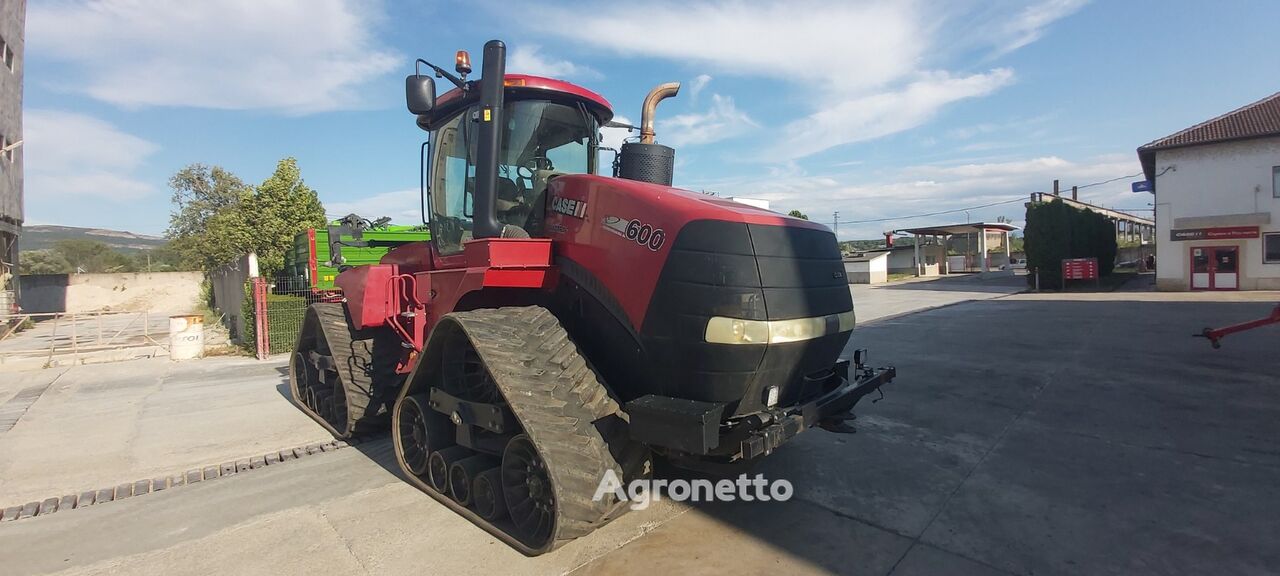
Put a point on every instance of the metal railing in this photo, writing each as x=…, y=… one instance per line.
x=60, y=333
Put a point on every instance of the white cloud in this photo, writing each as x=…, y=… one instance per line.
x=402, y=206
x=851, y=45
x=867, y=67
x=529, y=59
x=933, y=188
x=70, y=155
x=1030, y=24
x=696, y=86
x=294, y=56
x=881, y=114
x=722, y=120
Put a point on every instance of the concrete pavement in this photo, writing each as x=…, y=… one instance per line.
x=879, y=301
x=1035, y=434
x=98, y=426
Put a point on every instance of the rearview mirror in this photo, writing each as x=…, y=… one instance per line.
x=420, y=93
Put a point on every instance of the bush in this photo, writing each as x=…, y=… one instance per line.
x=1056, y=231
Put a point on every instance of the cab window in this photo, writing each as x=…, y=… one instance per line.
x=453, y=159
x=539, y=140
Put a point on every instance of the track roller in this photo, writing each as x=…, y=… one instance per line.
x=486, y=494
x=463, y=472
x=439, y=463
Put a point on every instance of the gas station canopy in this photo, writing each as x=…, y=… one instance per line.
x=955, y=229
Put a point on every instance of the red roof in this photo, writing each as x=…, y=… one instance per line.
x=1256, y=120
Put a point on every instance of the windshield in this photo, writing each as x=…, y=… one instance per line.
x=540, y=140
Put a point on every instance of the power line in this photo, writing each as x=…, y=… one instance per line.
x=1021, y=198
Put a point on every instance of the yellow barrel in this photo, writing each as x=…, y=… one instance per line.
x=186, y=337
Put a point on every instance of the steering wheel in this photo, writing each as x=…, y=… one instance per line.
x=538, y=163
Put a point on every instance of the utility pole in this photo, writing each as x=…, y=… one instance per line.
x=1073, y=194
x=835, y=227
x=1055, y=186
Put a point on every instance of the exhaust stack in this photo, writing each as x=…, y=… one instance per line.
x=659, y=93
x=645, y=161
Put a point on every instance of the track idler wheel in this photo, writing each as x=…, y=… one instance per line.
x=486, y=494
x=526, y=486
x=415, y=440
x=463, y=472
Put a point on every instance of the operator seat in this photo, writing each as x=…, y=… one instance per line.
x=512, y=211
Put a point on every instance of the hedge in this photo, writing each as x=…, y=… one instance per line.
x=1056, y=231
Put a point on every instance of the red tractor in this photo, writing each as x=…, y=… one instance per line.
x=560, y=324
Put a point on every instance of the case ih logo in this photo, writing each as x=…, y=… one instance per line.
x=636, y=231
x=569, y=206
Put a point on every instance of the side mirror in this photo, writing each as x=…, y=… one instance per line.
x=420, y=93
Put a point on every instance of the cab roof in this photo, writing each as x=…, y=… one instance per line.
x=521, y=87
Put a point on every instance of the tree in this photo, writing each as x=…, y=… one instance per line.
x=1056, y=231
x=797, y=214
x=200, y=193
x=217, y=218
x=43, y=262
x=282, y=207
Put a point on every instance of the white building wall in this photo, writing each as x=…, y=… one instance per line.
x=1231, y=184
x=871, y=271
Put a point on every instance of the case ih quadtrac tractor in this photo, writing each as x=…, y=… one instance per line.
x=561, y=324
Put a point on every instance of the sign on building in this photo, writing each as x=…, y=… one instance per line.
x=1225, y=233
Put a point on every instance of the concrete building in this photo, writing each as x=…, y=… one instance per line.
x=1217, y=198
x=13, y=16
x=867, y=268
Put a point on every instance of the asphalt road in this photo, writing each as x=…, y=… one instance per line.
x=1025, y=435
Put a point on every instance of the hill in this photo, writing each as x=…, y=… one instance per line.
x=41, y=237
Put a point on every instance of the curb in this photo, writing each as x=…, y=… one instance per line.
x=89, y=498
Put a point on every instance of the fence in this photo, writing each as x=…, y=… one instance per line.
x=227, y=289
x=274, y=312
x=69, y=335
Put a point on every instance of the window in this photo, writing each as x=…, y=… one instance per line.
x=1271, y=248
x=6, y=52
x=539, y=139
x=454, y=182
x=1275, y=181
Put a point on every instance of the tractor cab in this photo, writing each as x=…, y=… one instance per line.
x=539, y=129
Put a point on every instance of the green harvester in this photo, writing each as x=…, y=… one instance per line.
x=320, y=253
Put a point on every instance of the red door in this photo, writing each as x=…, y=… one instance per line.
x=1215, y=268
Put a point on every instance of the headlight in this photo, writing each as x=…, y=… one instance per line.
x=721, y=330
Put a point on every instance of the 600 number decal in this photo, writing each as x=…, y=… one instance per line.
x=636, y=231
x=645, y=235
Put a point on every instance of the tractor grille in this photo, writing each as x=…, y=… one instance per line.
x=751, y=272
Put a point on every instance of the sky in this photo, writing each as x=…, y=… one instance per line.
x=875, y=110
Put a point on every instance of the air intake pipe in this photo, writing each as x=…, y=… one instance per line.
x=646, y=161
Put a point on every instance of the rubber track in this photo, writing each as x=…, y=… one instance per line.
x=557, y=398
x=352, y=352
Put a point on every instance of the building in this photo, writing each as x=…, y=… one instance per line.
x=990, y=256
x=13, y=14
x=867, y=268
x=1217, y=199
